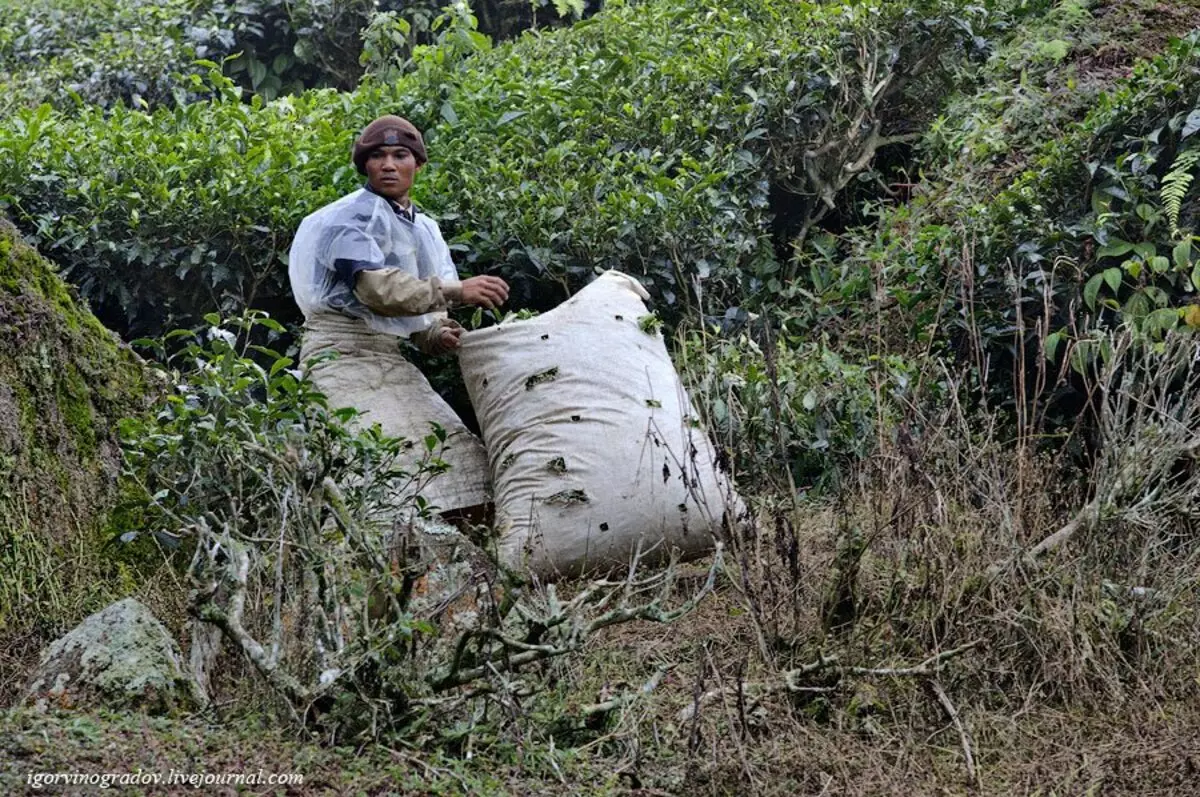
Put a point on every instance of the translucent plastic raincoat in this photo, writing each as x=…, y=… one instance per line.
x=362, y=228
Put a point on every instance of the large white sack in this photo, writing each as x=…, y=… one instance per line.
x=593, y=445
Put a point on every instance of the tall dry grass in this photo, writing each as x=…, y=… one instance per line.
x=989, y=603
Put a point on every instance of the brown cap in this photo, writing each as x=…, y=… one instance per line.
x=387, y=131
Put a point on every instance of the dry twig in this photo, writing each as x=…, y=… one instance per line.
x=792, y=680
x=963, y=736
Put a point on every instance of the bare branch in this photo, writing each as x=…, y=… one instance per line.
x=1149, y=424
x=963, y=737
x=627, y=698
x=573, y=630
x=792, y=680
x=230, y=622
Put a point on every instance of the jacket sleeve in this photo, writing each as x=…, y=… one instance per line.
x=394, y=292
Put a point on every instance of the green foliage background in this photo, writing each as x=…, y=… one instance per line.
x=675, y=143
x=648, y=138
x=1045, y=214
x=139, y=52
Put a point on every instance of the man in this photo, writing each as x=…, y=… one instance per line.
x=371, y=268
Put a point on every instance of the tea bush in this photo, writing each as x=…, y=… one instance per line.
x=656, y=138
x=154, y=215
x=135, y=52
x=1120, y=249
x=792, y=413
x=140, y=53
x=65, y=51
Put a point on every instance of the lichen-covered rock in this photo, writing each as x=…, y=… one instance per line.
x=121, y=657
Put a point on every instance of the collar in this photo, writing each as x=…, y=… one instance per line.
x=407, y=213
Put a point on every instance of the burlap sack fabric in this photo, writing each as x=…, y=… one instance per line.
x=371, y=374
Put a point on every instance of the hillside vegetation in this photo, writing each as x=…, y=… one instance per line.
x=928, y=268
x=65, y=382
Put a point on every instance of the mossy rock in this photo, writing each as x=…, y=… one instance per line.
x=119, y=658
x=65, y=382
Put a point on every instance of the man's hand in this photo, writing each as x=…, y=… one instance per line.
x=485, y=291
x=449, y=336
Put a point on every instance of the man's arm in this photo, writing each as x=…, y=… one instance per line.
x=394, y=292
x=358, y=262
x=390, y=291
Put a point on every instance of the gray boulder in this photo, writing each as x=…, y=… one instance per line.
x=121, y=657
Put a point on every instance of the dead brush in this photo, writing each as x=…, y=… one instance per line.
x=968, y=570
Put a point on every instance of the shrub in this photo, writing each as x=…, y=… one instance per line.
x=158, y=216
x=1056, y=200
x=66, y=51
x=1088, y=232
x=648, y=138
x=310, y=553
x=141, y=53
x=792, y=412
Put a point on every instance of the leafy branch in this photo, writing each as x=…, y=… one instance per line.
x=307, y=545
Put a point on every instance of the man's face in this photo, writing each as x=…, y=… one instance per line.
x=390, y=171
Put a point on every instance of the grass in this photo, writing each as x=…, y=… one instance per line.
x=822, y=664
x=887, y=640
x=118, y=743
x=812, y=670
x=883, y=736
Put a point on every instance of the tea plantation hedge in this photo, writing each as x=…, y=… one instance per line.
x=659, y=138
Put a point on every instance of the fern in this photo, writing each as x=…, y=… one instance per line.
x=1176, y=183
